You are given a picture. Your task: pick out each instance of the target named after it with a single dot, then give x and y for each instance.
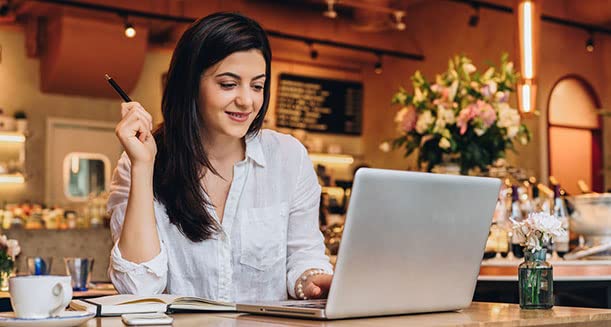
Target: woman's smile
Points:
(239, 117)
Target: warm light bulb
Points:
(130, 31)
(590, 44)
(330, 12)
(527, 46)
(399, 24)
(378, 68)
(526, 98)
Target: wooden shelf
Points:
(12, 137)
(337, 159)
(12, 178)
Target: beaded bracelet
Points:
(303, 278)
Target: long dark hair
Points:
(181, 157)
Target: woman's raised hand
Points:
(134, 133)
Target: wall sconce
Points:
(529, 25)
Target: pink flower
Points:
(445, 92)
(487, 114)
(465, 116)
(479, 109)
(407, 119)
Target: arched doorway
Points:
(575, 135)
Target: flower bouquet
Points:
(9, 249)
(462, 116)
(535, 275)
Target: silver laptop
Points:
(412, 243)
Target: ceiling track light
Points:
(377, 68)
(313, 51)
(130, 31)
(590, 42)
(474, 18)
(398, 17)
(330, 12)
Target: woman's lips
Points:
(239, 117)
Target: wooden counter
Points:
(563, 269)
(479, 314)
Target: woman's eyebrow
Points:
(236, 76)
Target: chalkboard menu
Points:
(319, 105)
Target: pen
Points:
(117, 88)
(120, 91)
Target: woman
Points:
(209, 204)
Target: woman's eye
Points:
(227, 85)
(258, 87)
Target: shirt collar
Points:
(254, 149)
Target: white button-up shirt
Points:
(270, 233)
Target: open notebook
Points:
(115, 305)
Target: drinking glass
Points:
(80, 271)
(39, 265)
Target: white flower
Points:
(523, 140)
(385, 147)
(469, 68)
(537, 230)
(452, 91)
(12, 248)
(419, 96)
(488, 74)
(479, 131)
(545, 223)
(512, 131)
(425, 120)
(400, 114)
(401, 97)
(533, 243)
(444, 117)
(448, 115)
(3, 241)
(508, 118)
(444, 143)
(493, 87)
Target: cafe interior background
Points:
(54, 54)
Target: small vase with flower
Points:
(535, 274)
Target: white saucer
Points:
(65, 319)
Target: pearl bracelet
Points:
(303, 278)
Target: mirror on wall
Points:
(85, 174)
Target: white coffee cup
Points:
(40, 296)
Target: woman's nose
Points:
(244, 98)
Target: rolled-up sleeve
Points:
(128, 277)
(305, 244)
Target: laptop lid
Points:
(412, 242)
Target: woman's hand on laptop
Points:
(317, 286)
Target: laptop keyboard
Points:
(309, 304)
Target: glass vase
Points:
(536, 281)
